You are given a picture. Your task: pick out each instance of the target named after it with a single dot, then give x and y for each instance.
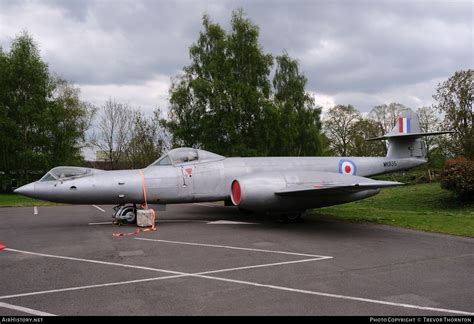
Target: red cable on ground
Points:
(145, 205)
(2, 247)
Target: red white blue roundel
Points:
(347, 167)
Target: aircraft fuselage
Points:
(202, 181)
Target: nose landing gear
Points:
(125, 214)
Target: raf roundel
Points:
(347, 167)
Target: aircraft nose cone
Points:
(26, 190)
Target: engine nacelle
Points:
(257, 192)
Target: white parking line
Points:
(35, 210)
(89, 286)
(237, 248)
(181, 274)
(254, 266)
(25, 310)
(100, 223)
(227, 222)
(102, 210)
(163, 270)
(93, 261)
(203, 275)
(367, 300)
(177, 273)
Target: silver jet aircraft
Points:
(286, 186)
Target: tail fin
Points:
(404, 140)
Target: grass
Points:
(424, 207)
(14, 200)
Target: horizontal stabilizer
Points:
(316, 189)
(410, 135)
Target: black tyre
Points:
(290, 217)
(129, 215)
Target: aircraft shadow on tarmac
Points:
(311, 222)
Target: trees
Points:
(114, 131)
(386, 116)
(219, 101)
(458, 176)
(295, 129)
(224, 101)
(429, 122)
(455, 97)
(127, 137)
(147, 140)
(42, 119)
(25, 91)
(435, 145)
(68, 121)
(347, 132)
(198, 97)
(339, 126)
(362, 130)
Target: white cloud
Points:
(410, 95)
(146, 95)
(323, 100)
(362, 53)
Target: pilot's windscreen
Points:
(164, 161)
(48, 177)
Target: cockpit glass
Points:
(61, 173)
(164, 161)
(184, 155)
(48, 177)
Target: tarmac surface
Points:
(206, 259)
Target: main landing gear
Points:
(290, 217)
(126, 214)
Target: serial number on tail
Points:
(390, 164)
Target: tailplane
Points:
(404, 140)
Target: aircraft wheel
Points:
(291, 217)
(129, 215)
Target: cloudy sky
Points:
(363, 53)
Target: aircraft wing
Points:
(323, 188)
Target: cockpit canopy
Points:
(67, 172)
(185, 155)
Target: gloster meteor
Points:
(281, 185)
